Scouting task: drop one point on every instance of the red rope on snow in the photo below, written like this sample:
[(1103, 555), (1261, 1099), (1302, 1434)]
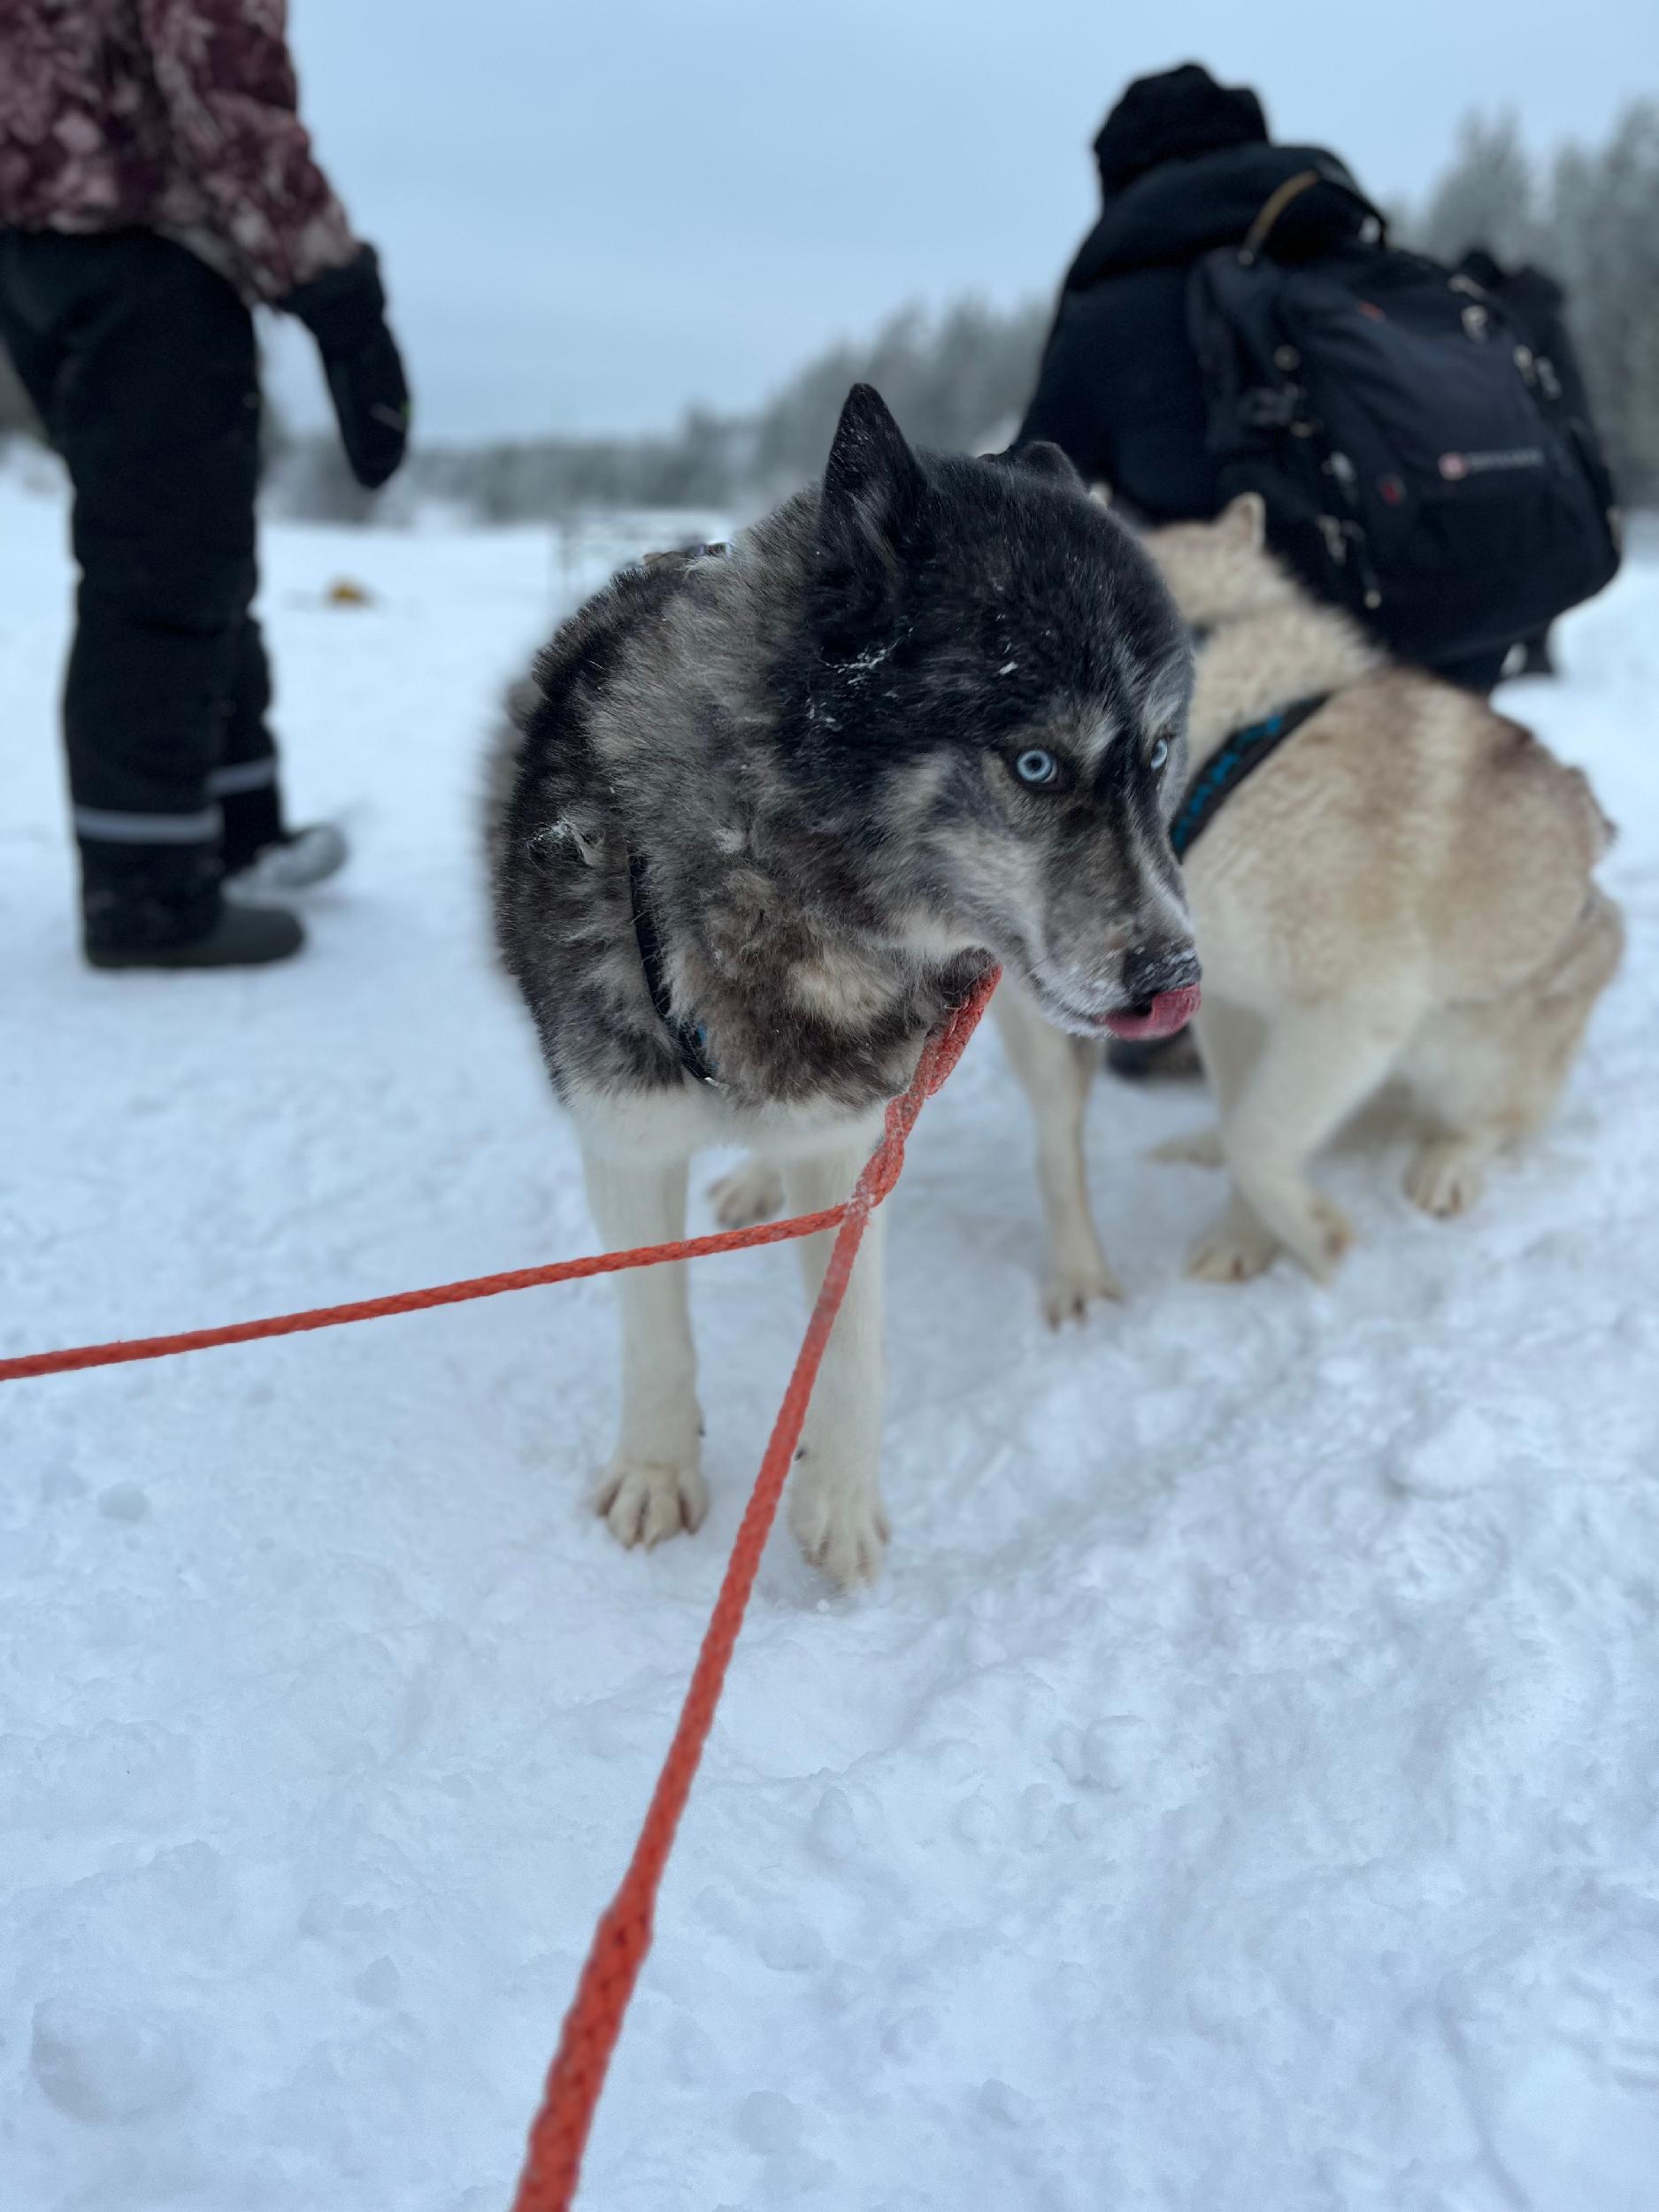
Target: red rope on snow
[(124, 1348), (559, 2134), (26, 1365)]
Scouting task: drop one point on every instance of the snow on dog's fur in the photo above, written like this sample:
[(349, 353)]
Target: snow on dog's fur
[(926, 715), (1403, 890)]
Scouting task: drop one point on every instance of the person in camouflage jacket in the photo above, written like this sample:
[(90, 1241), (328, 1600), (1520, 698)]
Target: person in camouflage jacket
[(157, 183)]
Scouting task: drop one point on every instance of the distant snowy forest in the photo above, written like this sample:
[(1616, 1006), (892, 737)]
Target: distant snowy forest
[(1590, 218)]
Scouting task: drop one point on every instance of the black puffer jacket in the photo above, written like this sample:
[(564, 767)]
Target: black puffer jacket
[(1185, 165)]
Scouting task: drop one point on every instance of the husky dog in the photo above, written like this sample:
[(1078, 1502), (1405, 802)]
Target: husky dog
[(1403, 890), (770, 812)]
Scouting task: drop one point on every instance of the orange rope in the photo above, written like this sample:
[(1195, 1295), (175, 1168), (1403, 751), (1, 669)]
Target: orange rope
[(124, 1348), (559, 2134)]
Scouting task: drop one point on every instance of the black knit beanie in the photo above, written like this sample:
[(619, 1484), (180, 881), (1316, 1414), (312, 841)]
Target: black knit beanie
[(1183, 111)]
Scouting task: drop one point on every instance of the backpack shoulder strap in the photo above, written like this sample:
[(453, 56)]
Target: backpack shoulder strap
[(1272, 208)]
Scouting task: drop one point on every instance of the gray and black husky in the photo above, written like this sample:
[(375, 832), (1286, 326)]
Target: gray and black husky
[(768, 812)]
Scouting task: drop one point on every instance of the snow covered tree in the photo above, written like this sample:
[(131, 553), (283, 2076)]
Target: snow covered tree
[(948, 381), (1488, 197), (1604, 246)]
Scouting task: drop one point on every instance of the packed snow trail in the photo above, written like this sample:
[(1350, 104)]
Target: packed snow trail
[(1239, 1793)]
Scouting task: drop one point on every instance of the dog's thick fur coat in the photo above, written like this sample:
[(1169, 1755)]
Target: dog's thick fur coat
[(1402, 891), (924, 716)]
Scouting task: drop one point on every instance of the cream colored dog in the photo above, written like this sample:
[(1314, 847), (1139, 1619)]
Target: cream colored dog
[(1402, 891)]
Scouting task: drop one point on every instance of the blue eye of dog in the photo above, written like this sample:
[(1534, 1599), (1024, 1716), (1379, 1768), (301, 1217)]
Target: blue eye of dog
[(1159, 753), (1034, 765)]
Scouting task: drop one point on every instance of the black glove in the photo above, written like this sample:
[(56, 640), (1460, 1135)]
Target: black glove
[(345, 311)]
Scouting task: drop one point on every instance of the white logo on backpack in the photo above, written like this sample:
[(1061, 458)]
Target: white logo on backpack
[(1456, 466)]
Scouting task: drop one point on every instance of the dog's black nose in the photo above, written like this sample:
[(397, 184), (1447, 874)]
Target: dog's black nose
[(1159, 968)]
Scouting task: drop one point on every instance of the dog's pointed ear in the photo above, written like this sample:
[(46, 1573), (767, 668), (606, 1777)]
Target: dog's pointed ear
[(1040, 457), (870, 513), (1245, 518), (869, 449)]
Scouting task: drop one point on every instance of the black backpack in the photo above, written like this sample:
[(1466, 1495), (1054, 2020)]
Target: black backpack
[(1423, 463)]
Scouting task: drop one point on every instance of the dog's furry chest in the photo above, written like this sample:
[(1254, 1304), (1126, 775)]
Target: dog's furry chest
[(672, 1123)]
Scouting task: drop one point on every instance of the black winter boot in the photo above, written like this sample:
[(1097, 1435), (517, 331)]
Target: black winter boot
[(237, 937), (149, 907)]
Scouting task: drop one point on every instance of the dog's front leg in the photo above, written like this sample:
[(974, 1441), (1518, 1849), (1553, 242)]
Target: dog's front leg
[(654, 1485), (835, 1506), (1318, 1064), (1054, 1073)]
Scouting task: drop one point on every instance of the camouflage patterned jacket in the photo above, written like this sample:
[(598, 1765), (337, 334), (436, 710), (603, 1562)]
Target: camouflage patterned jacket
[(176, 116)]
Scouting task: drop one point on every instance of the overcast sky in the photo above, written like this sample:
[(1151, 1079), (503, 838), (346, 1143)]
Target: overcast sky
[(593, 214)]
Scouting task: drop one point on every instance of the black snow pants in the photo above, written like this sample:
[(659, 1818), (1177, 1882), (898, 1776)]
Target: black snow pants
[(141, 363)]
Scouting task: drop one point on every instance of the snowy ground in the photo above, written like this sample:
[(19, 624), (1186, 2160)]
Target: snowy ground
[(1241, 1796)]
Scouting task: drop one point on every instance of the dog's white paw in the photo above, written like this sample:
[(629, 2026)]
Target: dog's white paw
[(1069, 1292), (641, 1503), (1200, 1148), (841, 1528), (1318, 1234), (1446, 1178), (1235, 1250), (750, 1193)]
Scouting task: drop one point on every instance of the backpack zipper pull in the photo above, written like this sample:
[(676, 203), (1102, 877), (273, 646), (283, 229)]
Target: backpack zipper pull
[(1352, 530)]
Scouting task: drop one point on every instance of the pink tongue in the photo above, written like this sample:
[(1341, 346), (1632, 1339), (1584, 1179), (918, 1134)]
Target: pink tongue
[(1169, 1011)]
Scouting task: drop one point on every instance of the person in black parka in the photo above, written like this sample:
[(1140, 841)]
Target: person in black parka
[(1185, 165)]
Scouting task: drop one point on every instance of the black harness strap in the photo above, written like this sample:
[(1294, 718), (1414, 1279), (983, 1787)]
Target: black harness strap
[(688, 1039), (1240, 756)]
